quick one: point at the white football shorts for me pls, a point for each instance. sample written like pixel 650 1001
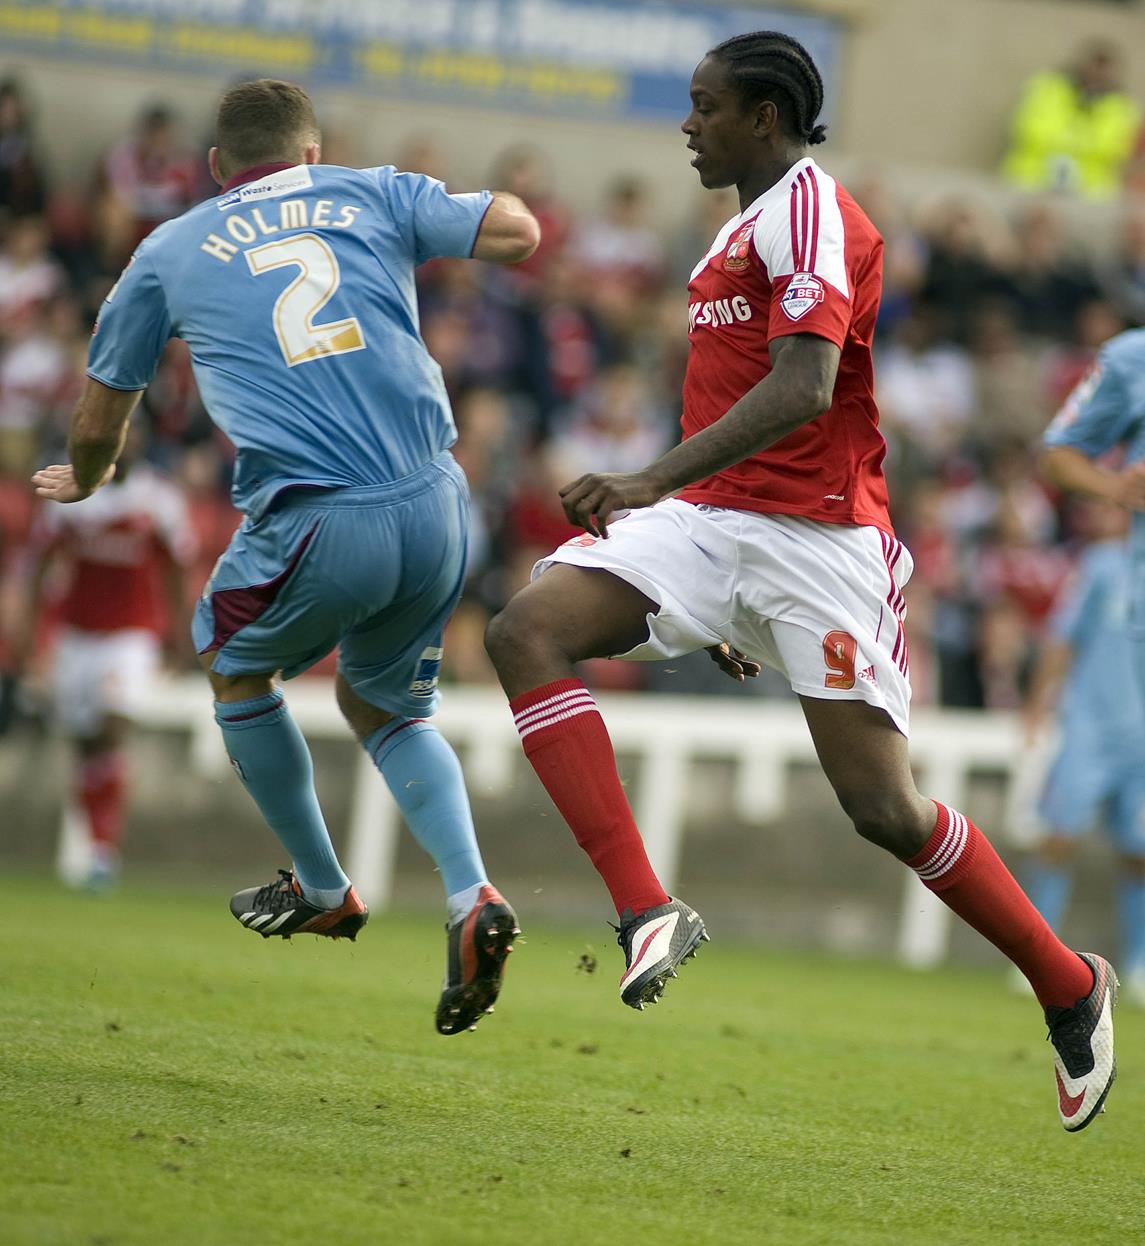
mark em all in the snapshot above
pixel 822 603
pixel 95 674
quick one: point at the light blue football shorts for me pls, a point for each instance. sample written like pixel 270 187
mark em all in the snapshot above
pixel 1088 782
pixel 375 571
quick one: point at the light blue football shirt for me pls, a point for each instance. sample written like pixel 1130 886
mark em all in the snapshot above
pixel 1107 409
pixel 295 294
pixel 1100 698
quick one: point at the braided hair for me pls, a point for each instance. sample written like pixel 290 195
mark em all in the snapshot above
pixel 768 65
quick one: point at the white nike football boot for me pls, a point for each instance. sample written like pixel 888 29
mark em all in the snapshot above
pixel 654 944
pixel 1082 1036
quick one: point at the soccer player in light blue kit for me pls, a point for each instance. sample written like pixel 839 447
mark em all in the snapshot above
pixel 1107 411
pixel 294 290
pixel 1099 767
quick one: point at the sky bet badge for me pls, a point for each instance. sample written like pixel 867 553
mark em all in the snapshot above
pixel 428 668
pixel 738 255
pixel 804 291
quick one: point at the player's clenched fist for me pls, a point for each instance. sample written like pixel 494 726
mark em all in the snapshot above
pixel 58 483
pixel 591 500
pixel 1131 487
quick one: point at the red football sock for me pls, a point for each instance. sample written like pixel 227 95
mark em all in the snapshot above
pixel 565 739
pixel 102 794
pixel 959 865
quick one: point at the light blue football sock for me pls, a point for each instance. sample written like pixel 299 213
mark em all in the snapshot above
pixel 1049 891
pixel 424 775
pixel 270 756
pixel 1131 918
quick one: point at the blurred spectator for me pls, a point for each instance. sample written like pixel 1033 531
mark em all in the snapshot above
pixel 22 186
pixel 535 523
pixel 925 390
pixel 969 248
pixel 1123 274
pixel 944 629
pixel 1007 380
pixel 566 340
pixel 904 250
pixel 1017 564
pixel 660 348
pixel 145 179
pixel 1075 128
pixel 472 326
pixel 29 276
pixel 174 410
pixel 1048 280
pixel 524 171
pixel 204 475
pixel 489 450
pixel 420 153
pixel 621 248
pixel 37 373
pixel 339 146
pixel 1006 654
pixel 1067 362
pixel 711 212
pixel 614 427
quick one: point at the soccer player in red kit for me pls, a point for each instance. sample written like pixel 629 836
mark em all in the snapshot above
pixel 766 532
pixel 123 553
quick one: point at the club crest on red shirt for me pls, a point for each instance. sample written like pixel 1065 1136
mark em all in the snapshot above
pixel 804 291
pixel 738 255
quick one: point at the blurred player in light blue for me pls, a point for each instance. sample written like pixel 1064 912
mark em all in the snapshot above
pixel 1098 773
pixel 294 289
pixel 1106 412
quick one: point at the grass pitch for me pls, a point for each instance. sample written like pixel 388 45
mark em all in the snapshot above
pixel 169 1078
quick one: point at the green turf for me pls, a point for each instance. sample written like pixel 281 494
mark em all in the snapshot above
pixel 169 1078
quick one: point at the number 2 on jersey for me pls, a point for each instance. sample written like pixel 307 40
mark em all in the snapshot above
pixel 299 338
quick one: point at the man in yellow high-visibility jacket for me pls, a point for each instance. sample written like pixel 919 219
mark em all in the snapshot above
pixel 1075 128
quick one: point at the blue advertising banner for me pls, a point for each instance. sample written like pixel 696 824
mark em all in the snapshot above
pixel 620 58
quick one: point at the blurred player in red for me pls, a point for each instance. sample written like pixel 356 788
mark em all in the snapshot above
pixel 766 531
pixel 122 554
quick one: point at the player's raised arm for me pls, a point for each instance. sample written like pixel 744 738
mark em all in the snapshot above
pixel 509 233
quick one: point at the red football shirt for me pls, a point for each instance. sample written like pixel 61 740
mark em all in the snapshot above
pixel 803 258
pixel 114 542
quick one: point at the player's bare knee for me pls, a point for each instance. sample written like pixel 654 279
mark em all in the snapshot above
pixel 230 688
pixel 513 632
pixel 363 718
pixel 898 823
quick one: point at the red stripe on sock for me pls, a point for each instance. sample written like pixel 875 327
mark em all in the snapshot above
pixel 573 757
pixel 401 726
pixel 959 864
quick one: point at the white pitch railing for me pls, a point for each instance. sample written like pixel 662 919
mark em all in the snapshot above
pixel 666 733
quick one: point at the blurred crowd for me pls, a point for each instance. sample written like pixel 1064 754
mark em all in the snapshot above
pixel 992 311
